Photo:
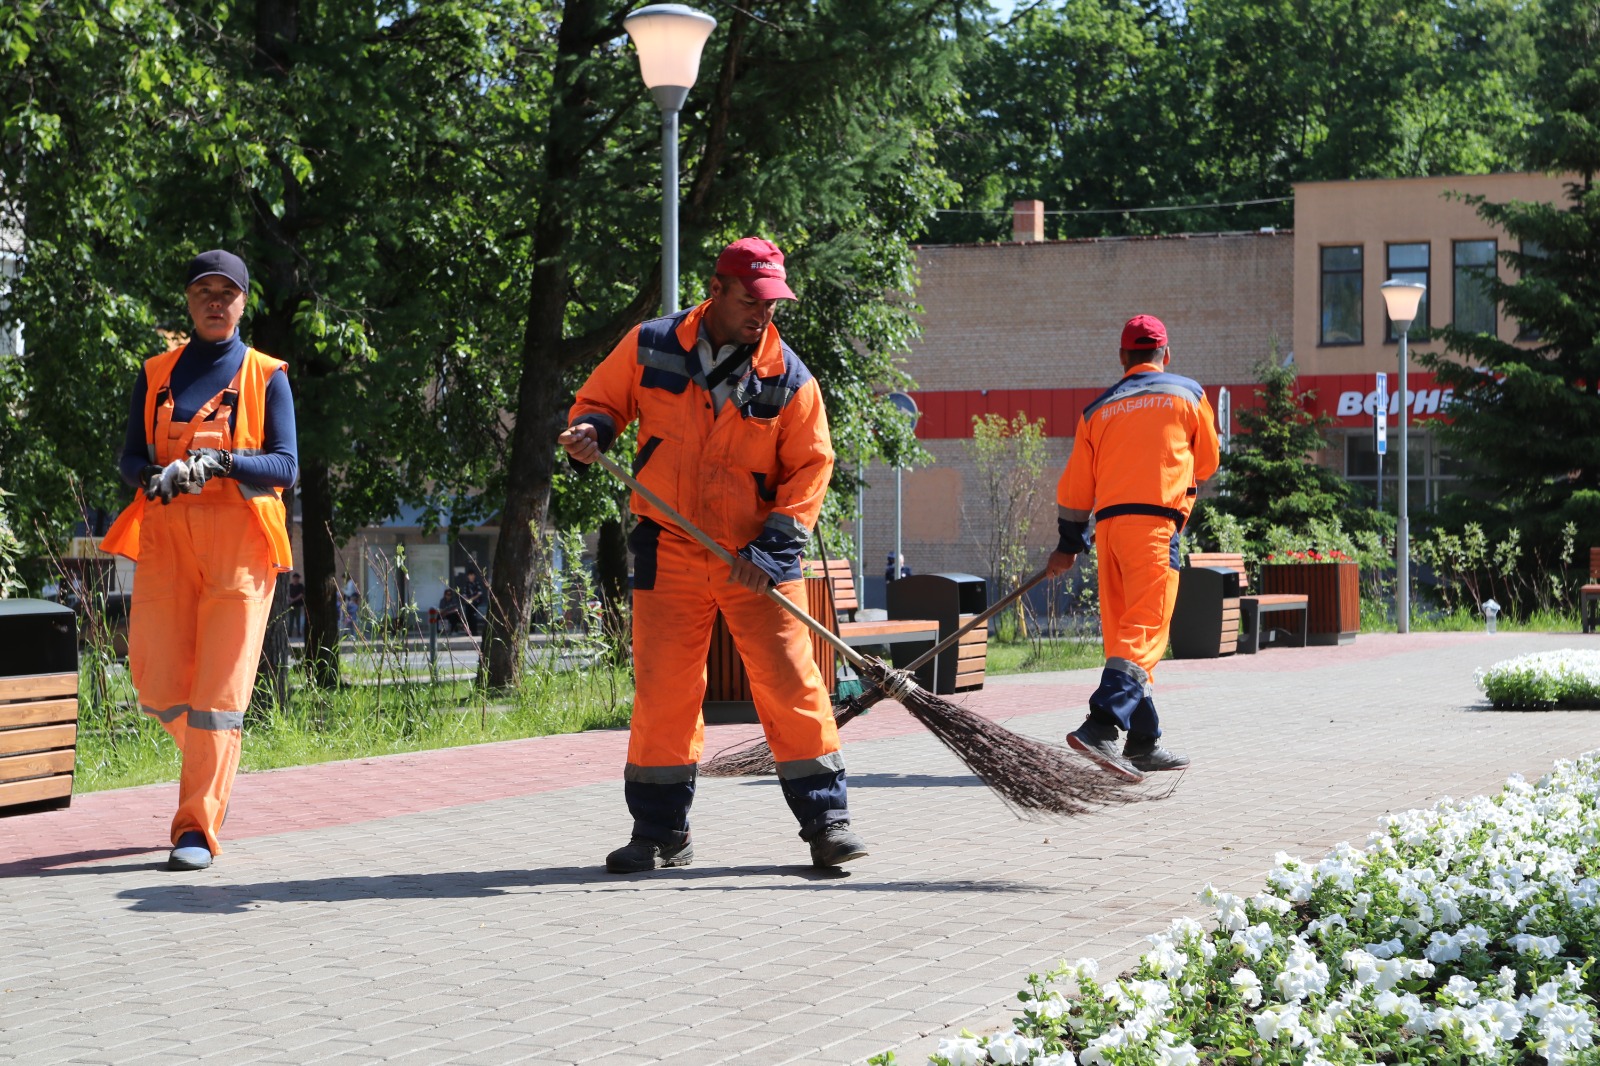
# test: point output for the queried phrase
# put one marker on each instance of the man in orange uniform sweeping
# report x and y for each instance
(1141, 450)
(211, 435)
(732, 434)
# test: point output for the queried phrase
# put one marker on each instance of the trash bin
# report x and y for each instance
(38, 705)
(1205, 618)
(949, 599)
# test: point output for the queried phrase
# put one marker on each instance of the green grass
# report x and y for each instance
(1426, 618)
(1054, 653)
(119, 747)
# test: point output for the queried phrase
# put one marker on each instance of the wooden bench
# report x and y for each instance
(1251, 608)
(38, 741)
(842, 582)
(1589, 595)
(727, 696)
(38, 705)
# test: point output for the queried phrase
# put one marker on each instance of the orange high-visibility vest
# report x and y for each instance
(249, 436)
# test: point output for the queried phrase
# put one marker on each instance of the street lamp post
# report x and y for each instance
(1402, 299)
(670, 38)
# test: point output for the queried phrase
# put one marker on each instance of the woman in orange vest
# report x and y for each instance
(211, 436)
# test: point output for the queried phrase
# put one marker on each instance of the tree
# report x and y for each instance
(1096, 105)
(1526, 418)
(1266, 479)
(1010, 457)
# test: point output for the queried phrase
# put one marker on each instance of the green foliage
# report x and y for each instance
(10, 552)
(1473, 564)
(1266, 479)
(1095, 105)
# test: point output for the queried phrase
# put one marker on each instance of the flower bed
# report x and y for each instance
(1543, 680)
(1462, 934)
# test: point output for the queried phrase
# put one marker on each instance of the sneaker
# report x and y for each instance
(1099, 743)
(190, 853)
(1151, 757)
(836, 845)
(641, 854)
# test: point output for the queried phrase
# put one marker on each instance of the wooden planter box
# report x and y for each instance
(1333, 613)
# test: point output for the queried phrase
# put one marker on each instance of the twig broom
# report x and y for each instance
(1029, 775)
(755, 758)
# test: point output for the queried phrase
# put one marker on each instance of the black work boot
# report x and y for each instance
(1148, 755)
(642, 853)
(836, 845)
(1099, 743)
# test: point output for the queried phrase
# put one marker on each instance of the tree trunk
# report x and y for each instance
(321, 574)
(272, 675)
(611, 569)
(518, 560)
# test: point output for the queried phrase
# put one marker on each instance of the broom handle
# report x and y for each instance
(854, 657)
(977, 620)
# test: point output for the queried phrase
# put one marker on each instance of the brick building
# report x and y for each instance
(1032, 326)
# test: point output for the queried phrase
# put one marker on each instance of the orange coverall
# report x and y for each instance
(203, 589)
(752, 476)
(1141, 449)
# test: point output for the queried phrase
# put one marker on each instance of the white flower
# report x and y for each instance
(1388, 949)
(1504, 1019)
(1283, 1018)
(1254, 940)
(1249, 986)
(1303, 973)
(1462, 990)
(962, 1051)
(1170, 1053)
(1545, 947)
(1082, 969)
(1049, 1006)
(1012, 1047)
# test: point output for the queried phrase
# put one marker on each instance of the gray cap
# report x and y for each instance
(219, 262)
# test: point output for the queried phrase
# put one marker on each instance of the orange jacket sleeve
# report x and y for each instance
(805, 451)
(1207, 449)
(608, 400)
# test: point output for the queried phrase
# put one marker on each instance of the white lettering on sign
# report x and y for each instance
(1135, 403)
(1426, 402)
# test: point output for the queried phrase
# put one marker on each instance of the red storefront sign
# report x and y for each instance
(1349, 399)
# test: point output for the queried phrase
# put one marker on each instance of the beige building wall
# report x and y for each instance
(1049, 314)
(1374, 215)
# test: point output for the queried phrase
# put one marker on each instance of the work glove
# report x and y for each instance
(166, 482)
(205, 464)
(149, 477)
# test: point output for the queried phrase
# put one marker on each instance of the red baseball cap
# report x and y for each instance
(759, 265)
(1144, 331)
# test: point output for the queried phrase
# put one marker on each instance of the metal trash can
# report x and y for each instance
(38, 705)
(1205, 618)
(949, 599)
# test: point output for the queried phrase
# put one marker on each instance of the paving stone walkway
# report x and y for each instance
(449, 907)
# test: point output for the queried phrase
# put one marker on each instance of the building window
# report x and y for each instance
(1432, 473)
(1341, 294)
(1474, 309)
(1408, 262)
(1533, 250)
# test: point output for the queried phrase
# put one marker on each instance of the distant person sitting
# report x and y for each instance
(888, 571)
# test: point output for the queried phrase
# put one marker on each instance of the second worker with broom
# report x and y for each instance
(733, 435)
(1140, 451)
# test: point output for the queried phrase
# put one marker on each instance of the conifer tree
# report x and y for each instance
(1526, 417)
(1267, 479)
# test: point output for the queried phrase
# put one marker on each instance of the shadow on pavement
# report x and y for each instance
(191, 897)
(45, 865)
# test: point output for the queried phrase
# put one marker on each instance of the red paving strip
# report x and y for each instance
(130, 821)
